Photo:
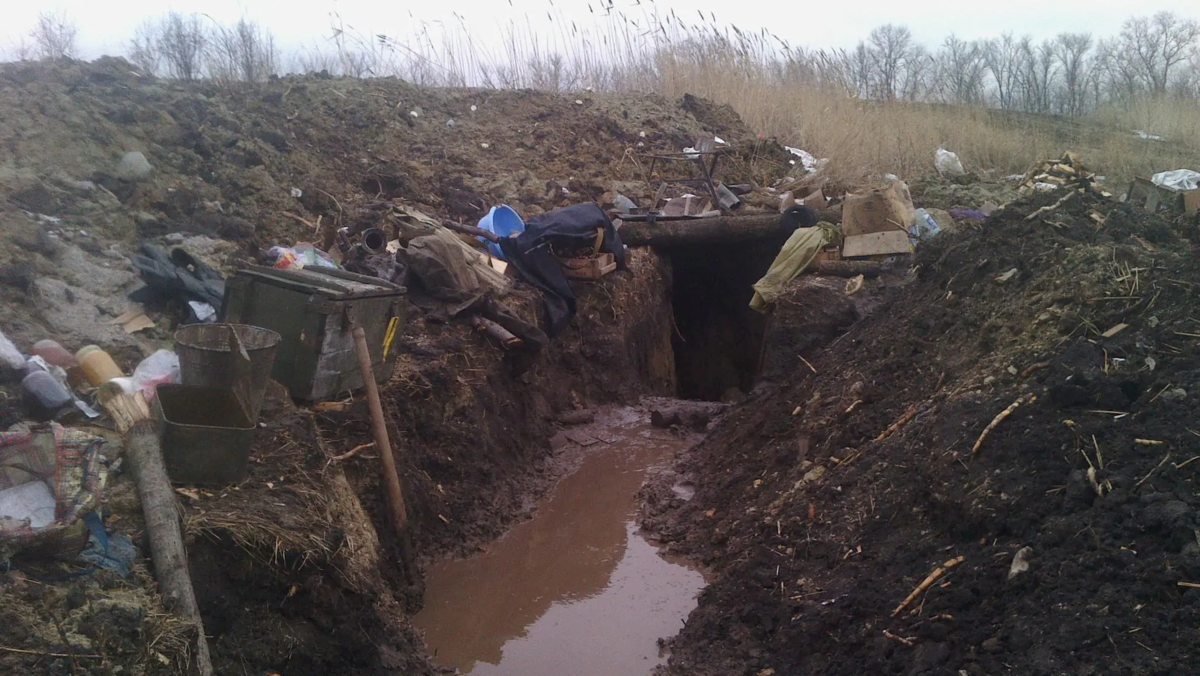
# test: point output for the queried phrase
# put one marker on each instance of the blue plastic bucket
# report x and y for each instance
(501, 221)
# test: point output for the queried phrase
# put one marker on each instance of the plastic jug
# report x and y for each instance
(98, 366)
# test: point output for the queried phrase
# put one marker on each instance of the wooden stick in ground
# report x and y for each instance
(166, 537)
(901, 422)
(999, 419)
(927, 583)
(391, 479)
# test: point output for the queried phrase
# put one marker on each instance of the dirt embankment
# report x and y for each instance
(823, 503)
(296, 569)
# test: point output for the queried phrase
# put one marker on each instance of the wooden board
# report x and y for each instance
(876, 243)
(589, 268)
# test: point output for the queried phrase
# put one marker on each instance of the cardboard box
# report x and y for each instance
(876, 243)
(883, 210)
(813, 200)
(816, 200)
(1191, 201)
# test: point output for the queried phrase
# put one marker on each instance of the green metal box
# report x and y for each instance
(312, 310)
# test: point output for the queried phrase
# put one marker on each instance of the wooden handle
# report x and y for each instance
(391, 478)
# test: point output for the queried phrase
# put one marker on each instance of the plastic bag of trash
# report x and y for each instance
(66, 462)
(303, 255)
(925, 227)
(948, 164)
(10, 355)
(1179, 179)
(160, 368)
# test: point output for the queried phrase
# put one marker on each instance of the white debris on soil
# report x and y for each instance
(134, 166)
(1147, 135)
(1179, 179)
(810, 163)
(1020, 562)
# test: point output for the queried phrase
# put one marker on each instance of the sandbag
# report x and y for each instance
(442, 268)
(798, 252)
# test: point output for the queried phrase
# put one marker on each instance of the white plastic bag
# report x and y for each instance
(157, 369)
(1180, 179)
(9, 354)
(948, 164)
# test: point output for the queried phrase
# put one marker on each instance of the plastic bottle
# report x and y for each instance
(44, 395)
(53, 353)
(98, 366)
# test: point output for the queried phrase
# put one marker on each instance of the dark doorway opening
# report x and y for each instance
(718, 340)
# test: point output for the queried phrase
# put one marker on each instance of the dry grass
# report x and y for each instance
(787, 93)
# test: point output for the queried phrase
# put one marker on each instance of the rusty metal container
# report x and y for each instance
(312, 309)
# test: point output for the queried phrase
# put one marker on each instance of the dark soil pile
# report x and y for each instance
(297, 569)
(823, 503)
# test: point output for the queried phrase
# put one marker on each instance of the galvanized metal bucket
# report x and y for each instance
(208, 357)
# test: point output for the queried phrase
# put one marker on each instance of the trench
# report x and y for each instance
(718, 340)
(577, 589)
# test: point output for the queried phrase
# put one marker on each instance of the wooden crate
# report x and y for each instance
(1155, 198)
(589, 269)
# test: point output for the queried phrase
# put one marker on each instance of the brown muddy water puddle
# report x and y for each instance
(576, 589)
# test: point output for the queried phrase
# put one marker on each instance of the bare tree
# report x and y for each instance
(145, 48)
(181, 43)
(54, 37)
(858, 69)
(1156, 45)
(242, 52)
(21, 50)
(1037, 72)
(890, 47)
(960, 71)
(1070, 51)
(1003, 59)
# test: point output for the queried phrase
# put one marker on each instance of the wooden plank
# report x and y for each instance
(876, 243)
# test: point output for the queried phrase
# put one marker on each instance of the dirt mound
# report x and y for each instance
(821, 505)
(282, 559)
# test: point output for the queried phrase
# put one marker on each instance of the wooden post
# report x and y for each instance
(391, 479)
(162, 526)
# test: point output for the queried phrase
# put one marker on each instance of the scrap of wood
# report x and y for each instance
(333, 406)
(1114, 331)
(999, 419)
(300, 218)
(1029, 370)
(927, 583)
(810, 366)
(894, 637)
(352, 452)
(1153, 470)
(908, 415)
(502, 335)
(1149, 442)
(1190, 585)
(1055, 206)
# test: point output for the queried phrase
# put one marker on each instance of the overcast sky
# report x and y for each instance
(105, 27)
